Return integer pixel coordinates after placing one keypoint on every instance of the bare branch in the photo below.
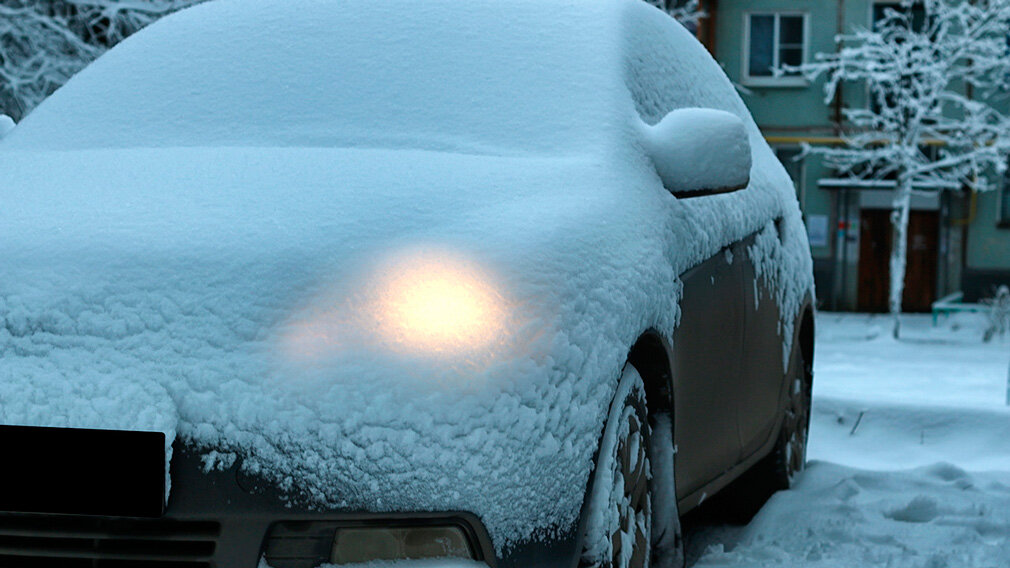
(44, 42)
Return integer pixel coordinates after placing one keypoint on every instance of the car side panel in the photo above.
(763, 375)
(708, 345)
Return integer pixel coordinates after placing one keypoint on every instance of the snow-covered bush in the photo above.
(928, 121)
(44, 42)
(999, 313)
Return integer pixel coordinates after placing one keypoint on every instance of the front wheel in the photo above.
(629, 523)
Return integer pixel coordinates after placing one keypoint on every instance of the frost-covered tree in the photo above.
(44, 42)
(929, 121)
(38, 53)
(687, 12)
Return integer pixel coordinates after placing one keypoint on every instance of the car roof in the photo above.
(496, 77)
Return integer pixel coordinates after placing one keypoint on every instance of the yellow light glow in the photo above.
(439, 305)
(414, 304)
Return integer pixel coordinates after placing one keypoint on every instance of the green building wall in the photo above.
(973, 251)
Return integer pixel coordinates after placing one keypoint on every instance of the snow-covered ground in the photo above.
(909, 455)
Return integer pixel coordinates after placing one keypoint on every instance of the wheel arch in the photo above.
(806, 342)
(651, 356)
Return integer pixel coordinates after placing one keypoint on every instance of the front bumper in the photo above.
(220, 519)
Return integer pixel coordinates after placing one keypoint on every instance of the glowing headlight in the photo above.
(439, 305)
(417, 304)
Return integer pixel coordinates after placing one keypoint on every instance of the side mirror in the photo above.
(699, 151)
(6, 125)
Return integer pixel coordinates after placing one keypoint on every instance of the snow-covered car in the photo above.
(314, 282)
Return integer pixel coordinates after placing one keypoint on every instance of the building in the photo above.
(958, 240)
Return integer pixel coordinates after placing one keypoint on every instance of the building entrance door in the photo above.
(875, 257)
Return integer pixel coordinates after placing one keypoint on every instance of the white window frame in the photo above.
(765, 81)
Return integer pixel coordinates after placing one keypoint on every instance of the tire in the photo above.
(780, 468)
(789, 458)
(622, 528)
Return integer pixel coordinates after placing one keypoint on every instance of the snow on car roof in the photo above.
(464, 76)
(197, 264)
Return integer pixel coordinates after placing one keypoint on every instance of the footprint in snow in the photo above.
(947, 471)
(921, 509)
(845, 490)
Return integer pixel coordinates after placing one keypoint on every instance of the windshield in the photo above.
(439, 76)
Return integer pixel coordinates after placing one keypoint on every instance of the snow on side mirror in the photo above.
(6, 125)
(699, 151)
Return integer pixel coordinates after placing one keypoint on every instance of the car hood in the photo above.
(250, 301)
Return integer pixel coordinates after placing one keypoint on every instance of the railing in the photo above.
(951, 303)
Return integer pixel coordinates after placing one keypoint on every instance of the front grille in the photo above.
(90, 542)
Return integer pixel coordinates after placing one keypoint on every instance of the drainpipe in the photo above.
(837, 103)
(844, 233)
(706, 26)
(965, 223)
(972, 211)
(834, 254)
(842, 196)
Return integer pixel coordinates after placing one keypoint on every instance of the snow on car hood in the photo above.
(244, 318)
(254, 317)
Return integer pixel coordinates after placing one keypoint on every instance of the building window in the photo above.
(774, 40)
(789, 155)
(916, 13)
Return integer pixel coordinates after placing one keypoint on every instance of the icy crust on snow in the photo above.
(239, 297)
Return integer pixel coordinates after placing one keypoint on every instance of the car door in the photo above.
(762, 372)
(708, 345)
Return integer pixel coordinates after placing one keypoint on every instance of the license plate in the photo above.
(81, 471)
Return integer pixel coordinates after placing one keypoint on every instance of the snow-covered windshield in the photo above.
(383, 76)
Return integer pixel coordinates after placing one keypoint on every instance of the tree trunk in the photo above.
(899, 247)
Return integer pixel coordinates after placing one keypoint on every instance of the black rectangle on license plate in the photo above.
(83, 472)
